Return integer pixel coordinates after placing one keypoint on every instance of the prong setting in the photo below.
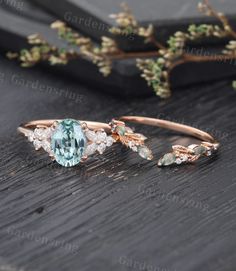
(133, 141)
(190, 154)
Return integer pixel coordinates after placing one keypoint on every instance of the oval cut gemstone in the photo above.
(68, 143)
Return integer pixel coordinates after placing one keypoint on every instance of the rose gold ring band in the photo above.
(119, 132)
(169, 125)
(25, 128)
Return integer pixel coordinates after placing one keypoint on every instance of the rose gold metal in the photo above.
(185, 129)
(117, 130)
(93, 125)
(133, 140)
(180, 153)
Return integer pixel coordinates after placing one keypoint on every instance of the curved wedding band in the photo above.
(180, 154)
(70, 142)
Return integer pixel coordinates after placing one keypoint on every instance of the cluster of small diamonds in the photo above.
(98, 141)
(41, 138)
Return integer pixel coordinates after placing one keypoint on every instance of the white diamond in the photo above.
(209, 153)
(215, 146)
(101, 148)
(39, 133)
(91, 135)
(91, 149)
(178, 161)
(48, 133)
(31, 136)
(109, 141)
(37, 144)
(46, 146)
(184, 158)
(101, 137)
(132, 146)
(192, 146)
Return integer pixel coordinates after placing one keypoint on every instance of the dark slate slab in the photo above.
(125, 79)
(92, 17)
(116, 212)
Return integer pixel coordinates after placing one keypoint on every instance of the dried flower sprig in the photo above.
(234, 85)
(230, 48)
(155, 66)
(127, 24)
(154, 72)
(207, 9)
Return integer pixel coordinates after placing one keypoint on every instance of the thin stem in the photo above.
(156, 43)
(223, 19)
(193, 58)
(126, 55)
(185, 57)
(208, 58)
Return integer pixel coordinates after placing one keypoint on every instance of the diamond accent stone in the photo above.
(37, 144)
(109, 141)
(178, 161)
(101, 136)
(46, 146)
(41, 138)
(209, 153)
(91, 135)
(133, 146)
(39, 133)
(31, 136)
(101, 148)
(184, 158)
(91, 149)
(48, 133)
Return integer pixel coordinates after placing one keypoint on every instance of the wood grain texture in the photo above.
(116, 212)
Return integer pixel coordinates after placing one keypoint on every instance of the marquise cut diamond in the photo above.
(101, 136)
(91, 135)
(91, 149)
(109, 141)
(37, 144)
(101, 148)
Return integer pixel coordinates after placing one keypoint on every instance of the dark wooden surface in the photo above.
(116, 212)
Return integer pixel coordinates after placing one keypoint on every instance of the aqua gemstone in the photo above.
(68, 143)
